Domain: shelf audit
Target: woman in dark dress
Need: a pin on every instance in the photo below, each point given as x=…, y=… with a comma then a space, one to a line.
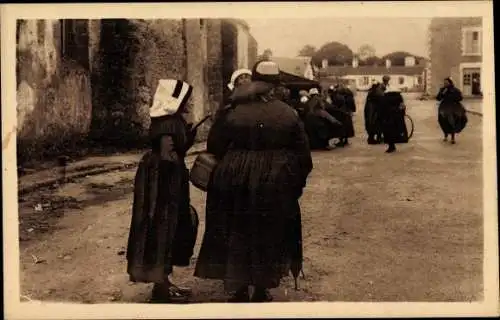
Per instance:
x=391, y=110
x=320, y=125
x=372, y=125
x=253, y=227
x=162, y=233
x=452, y=116
x=341, y=108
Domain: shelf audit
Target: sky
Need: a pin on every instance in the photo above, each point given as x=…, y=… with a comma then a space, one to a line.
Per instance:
x=285, y=37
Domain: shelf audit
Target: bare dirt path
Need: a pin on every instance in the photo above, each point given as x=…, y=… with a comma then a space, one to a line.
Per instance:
x=377, y=227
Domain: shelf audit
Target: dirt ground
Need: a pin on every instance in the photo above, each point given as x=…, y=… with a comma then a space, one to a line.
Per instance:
x=401, y=227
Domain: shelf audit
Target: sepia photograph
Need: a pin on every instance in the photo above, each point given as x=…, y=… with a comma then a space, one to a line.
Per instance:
x=191, y=160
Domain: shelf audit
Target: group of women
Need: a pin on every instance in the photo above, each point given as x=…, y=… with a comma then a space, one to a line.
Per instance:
x=262, y=146
x=253, y=222
x=385, y=111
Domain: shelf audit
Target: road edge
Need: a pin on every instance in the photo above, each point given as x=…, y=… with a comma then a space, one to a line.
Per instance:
x=88, y=170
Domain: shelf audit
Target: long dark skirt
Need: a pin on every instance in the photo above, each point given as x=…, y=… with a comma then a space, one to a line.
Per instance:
x=372, y=121
x=165, y=236
x=320, y=131
x=346, y=119
x=394, y=128
x=251, y=237
x=452, y=118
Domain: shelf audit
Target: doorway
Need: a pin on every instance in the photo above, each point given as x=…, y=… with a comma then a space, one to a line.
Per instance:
x=471, y=82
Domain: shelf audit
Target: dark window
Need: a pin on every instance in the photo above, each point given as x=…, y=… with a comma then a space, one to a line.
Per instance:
x=401, y=80
x=475, y=36
x=75, y=41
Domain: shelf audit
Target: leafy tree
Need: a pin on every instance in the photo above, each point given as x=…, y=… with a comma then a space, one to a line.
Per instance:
x=371, y=61
x=335, y=52
x=307, y=51
x=266, y=55
x=366, y=51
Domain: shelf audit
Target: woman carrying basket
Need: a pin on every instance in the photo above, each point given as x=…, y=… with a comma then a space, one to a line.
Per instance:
x=253, y=228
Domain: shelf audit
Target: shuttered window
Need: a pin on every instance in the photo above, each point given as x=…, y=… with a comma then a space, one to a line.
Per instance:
x=471, y=42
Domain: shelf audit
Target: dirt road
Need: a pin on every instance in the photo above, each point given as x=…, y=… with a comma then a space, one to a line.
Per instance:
x=401, y=227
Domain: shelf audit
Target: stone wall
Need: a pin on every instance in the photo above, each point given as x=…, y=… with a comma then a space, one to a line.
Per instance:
x=252, y=51
x=53, y=92
x=100, y=89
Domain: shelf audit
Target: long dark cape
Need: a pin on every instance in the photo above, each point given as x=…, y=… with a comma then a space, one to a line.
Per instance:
x=163, y=225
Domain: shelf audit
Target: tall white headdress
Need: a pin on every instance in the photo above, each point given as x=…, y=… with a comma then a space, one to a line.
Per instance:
x=170, y=96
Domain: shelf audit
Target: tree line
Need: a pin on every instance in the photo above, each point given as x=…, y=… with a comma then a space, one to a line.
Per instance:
x=339, y=54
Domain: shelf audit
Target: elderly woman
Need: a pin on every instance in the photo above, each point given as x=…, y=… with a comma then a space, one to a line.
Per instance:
x=452, y=116
x=162, y=234
x=253, y=228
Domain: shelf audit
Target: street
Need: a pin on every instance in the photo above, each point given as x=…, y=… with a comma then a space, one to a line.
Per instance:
x=377, y=227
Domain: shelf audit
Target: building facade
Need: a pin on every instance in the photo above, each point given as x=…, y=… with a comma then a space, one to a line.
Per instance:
x=455, y=50
x=81, y=80
x=410, y=77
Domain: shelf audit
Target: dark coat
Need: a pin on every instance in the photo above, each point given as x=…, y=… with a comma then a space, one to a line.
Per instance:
x=372, y=121
x=392, y=118
x=162, y=233
x=348, y=97
x=253, y=229
x=452, y=116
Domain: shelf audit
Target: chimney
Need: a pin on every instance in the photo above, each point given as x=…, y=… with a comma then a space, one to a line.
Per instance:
x=387, y=63
x=355, y=62
x=409, y=61
x=324, y=63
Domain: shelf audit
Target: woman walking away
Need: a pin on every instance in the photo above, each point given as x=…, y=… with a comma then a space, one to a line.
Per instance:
x=452, y=116
x=253, y=228
x=162, y=233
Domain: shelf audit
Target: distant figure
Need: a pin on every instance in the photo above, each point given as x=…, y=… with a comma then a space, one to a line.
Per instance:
x=452, y=116
x=385, y=83
x=350, y=103
x=391, y=110
x=341, y=109
x=161, y=231
x=253, y=221
x=239, y=77
x=321, y=126
x=372, y=120
x=302, y=106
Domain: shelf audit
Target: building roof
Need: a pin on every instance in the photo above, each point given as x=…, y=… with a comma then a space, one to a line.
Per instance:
x=294, y=82
x=296, y=66
x=340, y=71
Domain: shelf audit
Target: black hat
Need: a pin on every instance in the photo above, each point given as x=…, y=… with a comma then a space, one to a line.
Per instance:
x=266, y=71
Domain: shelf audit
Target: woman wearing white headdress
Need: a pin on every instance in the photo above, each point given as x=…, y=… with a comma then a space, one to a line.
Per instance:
x=239, y=77
x=162, y=232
